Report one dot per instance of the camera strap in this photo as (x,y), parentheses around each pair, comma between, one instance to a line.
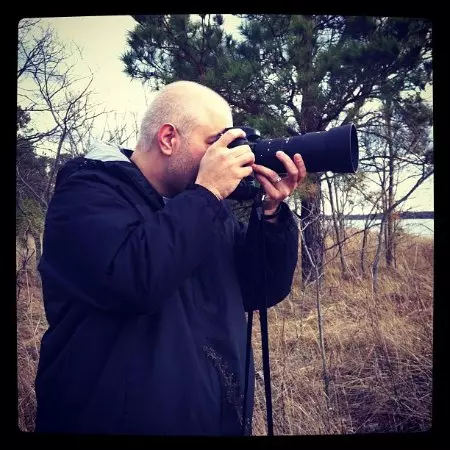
(257,204)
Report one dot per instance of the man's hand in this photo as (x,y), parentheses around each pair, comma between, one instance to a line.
(221,168)
(277,189)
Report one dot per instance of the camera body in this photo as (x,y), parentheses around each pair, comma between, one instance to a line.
(247,188)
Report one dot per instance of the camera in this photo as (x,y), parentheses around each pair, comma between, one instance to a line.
(334,150)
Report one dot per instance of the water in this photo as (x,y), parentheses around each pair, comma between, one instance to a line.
(416,227)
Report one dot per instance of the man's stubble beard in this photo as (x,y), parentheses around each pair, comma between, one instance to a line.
(183,170)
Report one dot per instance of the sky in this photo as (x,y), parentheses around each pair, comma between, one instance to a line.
(102,39)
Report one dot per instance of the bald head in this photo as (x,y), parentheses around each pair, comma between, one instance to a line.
(182,122)
(185,104)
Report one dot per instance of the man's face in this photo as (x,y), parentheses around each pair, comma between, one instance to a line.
(184,166)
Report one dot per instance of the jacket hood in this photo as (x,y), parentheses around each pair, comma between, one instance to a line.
(111,161)
(101,151)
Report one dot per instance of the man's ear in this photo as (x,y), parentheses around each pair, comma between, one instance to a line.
(168,138)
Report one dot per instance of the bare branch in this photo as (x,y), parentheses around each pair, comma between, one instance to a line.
(38,197)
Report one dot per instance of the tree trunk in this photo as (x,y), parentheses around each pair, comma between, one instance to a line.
(377,256)
(363,249)
(337,230)
(390,220)
(390,196)
(312,233)
(340,214)
(325,225)
(48,192)
(394,242)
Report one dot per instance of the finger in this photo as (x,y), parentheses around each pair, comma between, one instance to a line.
(268,173)
(240,150)
(245,171)
(247,158)
(229,136)
(298,160)
(269,188)
(291,168)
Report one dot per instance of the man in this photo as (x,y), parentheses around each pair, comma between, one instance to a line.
(147,276)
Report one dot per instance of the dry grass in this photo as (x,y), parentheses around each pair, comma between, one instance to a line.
(378,348)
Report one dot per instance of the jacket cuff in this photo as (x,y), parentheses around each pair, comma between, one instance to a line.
(285,217)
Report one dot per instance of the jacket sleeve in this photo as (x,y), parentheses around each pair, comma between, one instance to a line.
(100,248)
(280,258)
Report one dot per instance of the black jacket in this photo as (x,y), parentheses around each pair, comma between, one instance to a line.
(146,304)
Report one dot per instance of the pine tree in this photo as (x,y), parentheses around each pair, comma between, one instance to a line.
(307,72)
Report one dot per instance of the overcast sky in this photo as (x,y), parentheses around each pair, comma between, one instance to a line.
(102,39)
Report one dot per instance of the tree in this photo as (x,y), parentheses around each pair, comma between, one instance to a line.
(306,72)
(50,90)
(408,124)
(398,145)
(336,216)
